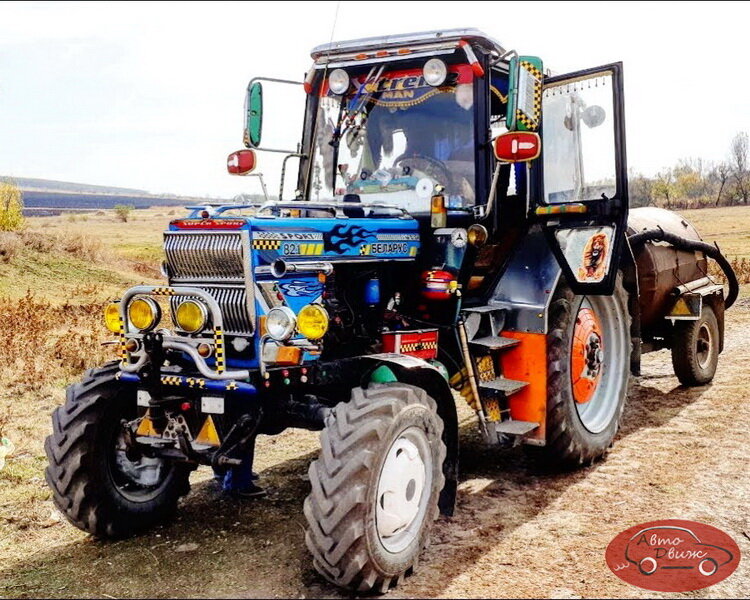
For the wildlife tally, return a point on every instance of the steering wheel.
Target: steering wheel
(444, 176)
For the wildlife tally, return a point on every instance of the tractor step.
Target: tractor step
(495, 342)
(501, 384)
(480, 309)
(515, 427)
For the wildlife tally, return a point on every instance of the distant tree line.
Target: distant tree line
(697, 183)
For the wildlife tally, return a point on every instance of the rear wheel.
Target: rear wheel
(96, 483)
(695, 348)
(588, 358)
(375, 487)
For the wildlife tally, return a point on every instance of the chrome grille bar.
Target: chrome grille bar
(202, 256)
(232, 301)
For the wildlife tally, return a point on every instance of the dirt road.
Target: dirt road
(518, 531)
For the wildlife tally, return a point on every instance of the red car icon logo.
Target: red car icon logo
(674, 548)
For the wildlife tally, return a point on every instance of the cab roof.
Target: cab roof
(422, 38)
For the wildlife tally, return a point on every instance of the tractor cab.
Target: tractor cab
(448, 126)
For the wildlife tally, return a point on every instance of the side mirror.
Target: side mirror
(524, 108)
(241, 162)
(517, 146)
(253, 115)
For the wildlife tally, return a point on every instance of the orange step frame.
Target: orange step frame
(527, 361)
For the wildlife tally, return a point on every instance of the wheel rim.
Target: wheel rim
(704, 346)
(403, 490)
(599, 349)
(137, 478)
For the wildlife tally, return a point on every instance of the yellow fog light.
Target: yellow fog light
(312, 321)
(191, 316)
(112, 317)
(144, 313)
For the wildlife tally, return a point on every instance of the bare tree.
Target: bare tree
(738, 155)
(722, 172)
(664, 185)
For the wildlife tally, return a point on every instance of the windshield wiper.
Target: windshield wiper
(373, 77)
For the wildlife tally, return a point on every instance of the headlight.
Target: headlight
(312, 321)
(191, 316)
(435, 71)
(144, 313)
(338, 81)
(112, 317)
(280, 323)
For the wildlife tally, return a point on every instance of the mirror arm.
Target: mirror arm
(283, 170)
(486, 210)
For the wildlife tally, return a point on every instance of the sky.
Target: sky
(150, 95)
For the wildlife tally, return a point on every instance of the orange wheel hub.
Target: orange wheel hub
(586, 355)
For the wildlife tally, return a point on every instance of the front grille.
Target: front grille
(204, 256)
(233, 303)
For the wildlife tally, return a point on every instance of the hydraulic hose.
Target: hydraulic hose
(659, 235)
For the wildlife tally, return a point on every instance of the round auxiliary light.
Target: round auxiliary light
(144, 313)
(435, 72)
(112, 317)
(338, 81)
(477, 235)
(191, 316)
(281, 323)
(312, 321)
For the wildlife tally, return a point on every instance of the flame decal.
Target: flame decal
(344, 237)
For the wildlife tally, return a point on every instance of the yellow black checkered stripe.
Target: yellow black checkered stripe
(219, 349)
(162, 291)
(417, 346)
(364, 249)
(266, 244)
(532, 121)
(193, 382)
(123, 352)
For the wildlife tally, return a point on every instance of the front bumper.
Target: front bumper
(188, 345)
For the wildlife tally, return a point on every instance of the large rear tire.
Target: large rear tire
(588, 359)
(94, 483)
(375, 487)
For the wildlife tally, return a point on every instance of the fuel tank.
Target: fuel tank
(662, 267)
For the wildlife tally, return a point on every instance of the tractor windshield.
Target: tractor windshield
(394, 138)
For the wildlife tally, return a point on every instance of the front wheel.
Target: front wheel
(588, 359)
(96, 483)
(375, 487)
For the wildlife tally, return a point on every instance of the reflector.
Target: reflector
(241, 162)
(517, 146)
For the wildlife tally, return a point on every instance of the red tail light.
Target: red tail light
(241, 162)
(517, 146)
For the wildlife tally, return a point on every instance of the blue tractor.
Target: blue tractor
(460, 228)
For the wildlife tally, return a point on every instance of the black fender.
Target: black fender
(419, 373)
(527, 285)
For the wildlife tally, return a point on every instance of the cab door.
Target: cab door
(583, 201)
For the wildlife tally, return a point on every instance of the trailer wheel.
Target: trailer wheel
(375, 487)
(95, 484)
(588, 361)
(695, 348)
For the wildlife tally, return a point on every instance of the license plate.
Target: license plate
(212, 404)
(143, 398)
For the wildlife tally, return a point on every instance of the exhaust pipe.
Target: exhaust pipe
(281, 267)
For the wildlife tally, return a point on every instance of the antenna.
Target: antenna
(317, 121)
